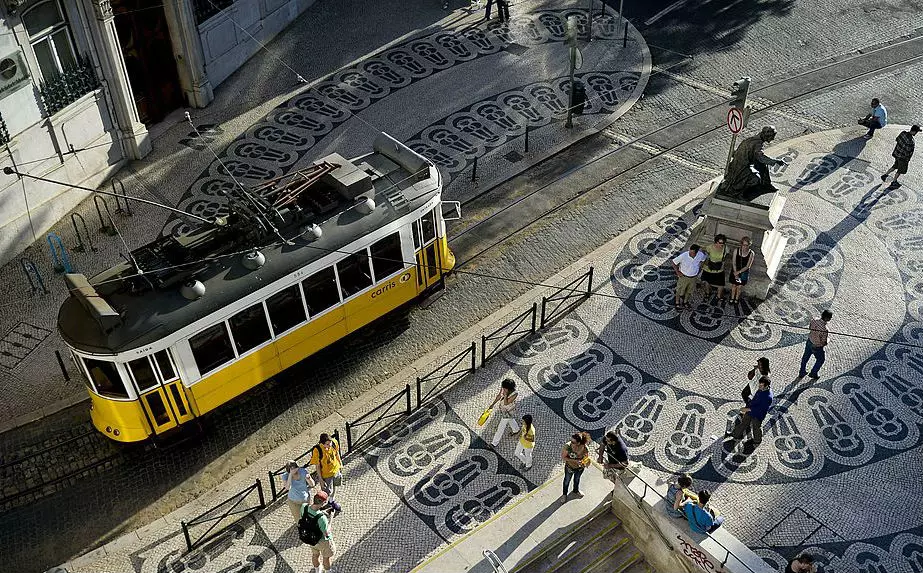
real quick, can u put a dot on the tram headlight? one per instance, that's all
(116, 432)
(109, 429)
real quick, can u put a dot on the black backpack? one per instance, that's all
(309, 528)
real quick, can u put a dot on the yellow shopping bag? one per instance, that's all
(483, 419)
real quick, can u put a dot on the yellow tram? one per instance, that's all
(192, 322)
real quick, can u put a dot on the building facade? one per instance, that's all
(82, 80)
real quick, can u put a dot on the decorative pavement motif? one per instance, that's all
(839, 455)
(442, 61)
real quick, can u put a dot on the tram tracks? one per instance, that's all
(532, 206)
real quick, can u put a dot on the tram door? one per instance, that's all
(429, 262)
(160, 391)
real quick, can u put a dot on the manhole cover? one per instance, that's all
(516, 49)
(513, 156)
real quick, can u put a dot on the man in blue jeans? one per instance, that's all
(815, 345)
(877, 119)
(753, 415)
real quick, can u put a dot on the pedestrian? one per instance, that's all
(506, 407)
(503, 10)
(876, 119)
(741, 262)
(576, 456)
(299, 484)
(754, 413)
(325, 456)
(314, 529)
(687, 266)
(613, 455)
(678, 493)
(526, 443)
(815, 345)
(713, 271)
(759, 371)
(804, 563)
(903, 151)
(702, 518)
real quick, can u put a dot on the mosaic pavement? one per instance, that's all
(839, 457)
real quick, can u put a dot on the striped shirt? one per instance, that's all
(818, 335)
(903, 149)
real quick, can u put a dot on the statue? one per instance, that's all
(747, 175)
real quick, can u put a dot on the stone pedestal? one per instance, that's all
(739, 219)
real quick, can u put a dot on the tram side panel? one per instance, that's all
(125, 416)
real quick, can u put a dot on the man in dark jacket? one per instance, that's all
(753, 415)
(903, 151)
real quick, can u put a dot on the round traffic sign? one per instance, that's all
(735, 120)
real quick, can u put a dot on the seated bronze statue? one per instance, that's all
(747, 175)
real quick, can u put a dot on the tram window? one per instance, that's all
(143, 373)
(106, 378)
(250, 328)
(166, 366)
(211, 348)
(285, 309)
(387, 257)
(354, 273)
(320, 291)
(416, 235)
(429, 226)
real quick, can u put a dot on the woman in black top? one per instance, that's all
(741, 261)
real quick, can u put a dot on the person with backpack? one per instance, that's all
(325, 456)
(299, 484)
(701, 517)
(314, 529)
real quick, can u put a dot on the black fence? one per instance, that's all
(447, 374)
(381, 416)
(566, 298)
(221, 512)
(510, 333)
(277, 478)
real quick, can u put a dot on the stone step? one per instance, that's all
(620, 558)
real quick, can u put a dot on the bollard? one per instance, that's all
(527, 138)
(103, 227)
(120, 197)
(67, 376)
(474, 171)
(81, 247)
(625, 38)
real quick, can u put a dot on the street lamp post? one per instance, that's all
(571, 39)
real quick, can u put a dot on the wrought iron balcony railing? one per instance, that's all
(68, 86)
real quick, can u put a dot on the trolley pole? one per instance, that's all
(571, 39)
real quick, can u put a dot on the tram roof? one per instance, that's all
(150, 315)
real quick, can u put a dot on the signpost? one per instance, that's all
(738, 114)
(735, 120)
(571, 40)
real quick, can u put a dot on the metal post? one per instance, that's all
(474, 171)
(483, 350)
(272, 486)
(527, 138)
(730, 153)
(81, 247)
(349, 438)
(103, 227)
(407, 390)
(67, 376)
(544, 302)
(621, 2)
(569, 123)
(186, 535)
(589, 286)
(625, 37)
(534, 314)
(259, 490)
(419, 391)
(474, 355)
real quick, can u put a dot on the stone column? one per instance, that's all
(190, 58)
(134, 136)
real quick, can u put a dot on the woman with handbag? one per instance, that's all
(741, 262)
(505, 403)
(576, 456)
(713, 270)
(613, 455)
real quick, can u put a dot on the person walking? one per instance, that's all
(741, 261)
(876, 119)
(299, 484)
(314, 529)
(325, 456)
(903, 151)
(576, 456)
(701, 517)
(506, 407)
(804, 563)
(759, 371)
(815, 346)
(713, 271)
(526, 443)
(613, 455)
(687, 267)
(678, 493)
(754, 413)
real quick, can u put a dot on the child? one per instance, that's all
(526, 442)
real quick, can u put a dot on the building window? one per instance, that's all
(211, 348)
(320, 291)
(285, 309)
(387, 257)
(50, 38)
(354, 273)
(249, 328)
(106, 378)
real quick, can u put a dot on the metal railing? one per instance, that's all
(446, 374)
(508, 334)
(231, 504)
(556, 305)
(385, 416)
(640, 502)
(494, 561)
(277, 492)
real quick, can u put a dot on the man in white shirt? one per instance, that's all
(687, 267)
(877, 119)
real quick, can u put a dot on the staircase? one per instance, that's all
(600, 545)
